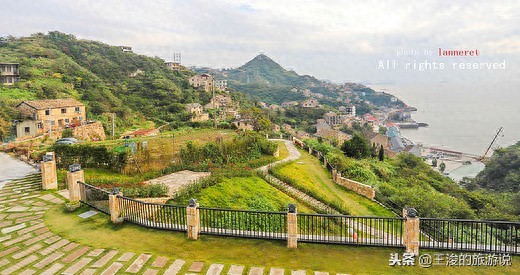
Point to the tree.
(434, 162)
(357, 147)
(442, 166)
(381, 153)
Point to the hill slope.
(104, 77)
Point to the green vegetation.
(357, 147)
(502, 172)
(90, 156)
(251, 193)
(98, 231)
(284, 153)
(309, 176)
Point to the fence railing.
(154, 215)
(341, 229)
(449, 234)
(243, 223)
(470, 235)
(95, 197)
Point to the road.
(11, 168)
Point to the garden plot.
(177, 180)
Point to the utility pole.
(50, 123)
(113, 127)
(214, 110)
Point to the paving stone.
(9, 251)
(256, 271)
(28, 272)
(298, 272)
(70, 246)
(320, 273)
(52, 239)
(276, 271)
(19, 239)
(5, 238)
(76, 254)
(26, 219)
(4, 262)
(96, 252)
(13, 228)
(125, 257)
(105, 259)
(174, 267)
(19, 215)
(73, 269)
(5, 223)
(27, 251)
(53, 247)
(38, 238)
(89, 271)
(18, 209)
(196, 267)
(160, 261)
(32, 228)
(236, 270)
(113, 268)
(48, 260)
(138, 263)
(150, 272)
(215, 269)
(53, 269)
(2, 216)
(19, 265)
(41, 230)
(87, 214)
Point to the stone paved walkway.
(28, 247)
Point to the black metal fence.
(470, 235)
(154, 215)
(95, 197)
(243, 223)
(340, 229)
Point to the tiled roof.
(52, 103)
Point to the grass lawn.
(283, 150)
(308, 172)
(98, 231)
(251, 193)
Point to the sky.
(334, 40)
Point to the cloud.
(314, 37)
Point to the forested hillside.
(104, 77)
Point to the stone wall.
(360, 188)
(89, 131)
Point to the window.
(77, 110)
(47, 112)
(67, 120)
(53, 122)
(40, 126)
(27, 130)
(64, 110)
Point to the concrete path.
(294, 154)
(177, 180)
(28, 247)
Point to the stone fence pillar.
(74, 175)
(334, 174)
(310, 150)
(292, 227)
(113, 205)
(193, 219)
(411, 231)
(49, 175)
(325, 162)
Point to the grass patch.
(99, 232)
(284, 153)
(251, 193)
(308, 173)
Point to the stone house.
(221, 101)
(174, 66)
(289, 104)
(221, 84)
(331, 118)
(203, 81)
(196, 110)
(40, 116)
(378, 140)
(9, 73)
(244, 124)
(309, 103)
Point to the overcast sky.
(335, 40)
